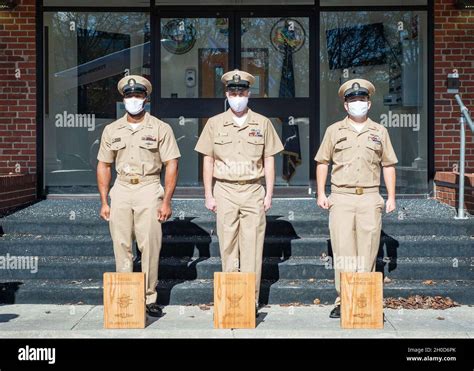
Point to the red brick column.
(454, 48)
(18, 102)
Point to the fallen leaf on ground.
(420, 302)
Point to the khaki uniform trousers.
(134, 214)
(355, 223)
(241, 223)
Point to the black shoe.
(154, 310)
(256, 313)
(336, 312)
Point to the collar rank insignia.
(115, 140)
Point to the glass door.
(276, 50)
(193, 55)
(275, 47)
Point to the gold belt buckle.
(359, 190)
(134, 180)
(241, 182)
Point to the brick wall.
(18, 103)
(454, 48)
(447, 191)
(17, 190)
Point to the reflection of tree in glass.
(392, 40)
(256, 38)
(95, 35)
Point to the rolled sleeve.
(106, 154)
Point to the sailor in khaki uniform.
(239, 147)
(357, 148)
(140, 145)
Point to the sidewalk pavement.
(275, 321)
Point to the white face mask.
(358, 108)
(238, 104)
(134, 105)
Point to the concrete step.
(288, 217)
(178, 292)
(182, 246)
(273, 268)
(275, 227)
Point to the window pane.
(372, 2)
(95, 3)
(389, 49)
(276, 51)
(194, 55)
(234, 2)
(292, 165)
(186, 130)
(86, 54)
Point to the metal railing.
(465, 117)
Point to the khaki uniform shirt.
(356, 157)
(238, 151)
(141, 151)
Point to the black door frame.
(270, 107)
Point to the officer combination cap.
(356, 88)
(237, 80)
(134, 84)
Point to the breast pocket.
(342, 151)
(148, 150)
(118, 145)
(374, 152)
(254, 147)
(222, 146)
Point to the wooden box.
(361, 300)
(234, 300)
(124, 300)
